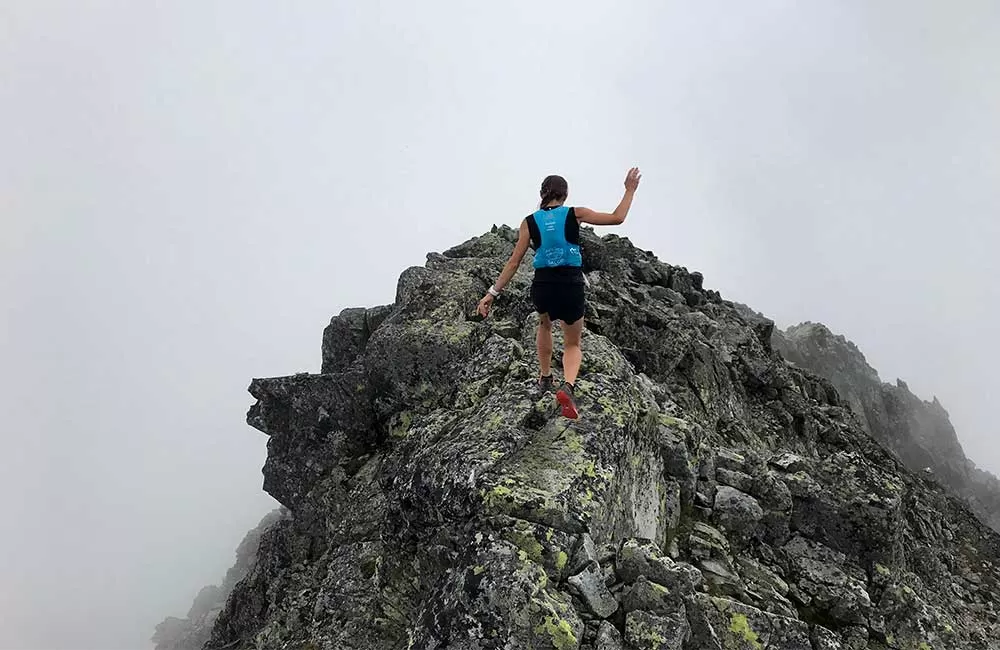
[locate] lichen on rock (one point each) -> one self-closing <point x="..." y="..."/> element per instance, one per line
<point x="712" y="495"/>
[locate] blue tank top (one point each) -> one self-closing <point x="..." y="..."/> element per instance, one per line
<point x="554" y="248"/>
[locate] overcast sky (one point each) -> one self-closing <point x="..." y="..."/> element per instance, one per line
<point x="189" y="190"/>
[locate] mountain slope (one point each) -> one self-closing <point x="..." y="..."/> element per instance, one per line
<point x="919" y="432"/>
<point x="711" y="495"/>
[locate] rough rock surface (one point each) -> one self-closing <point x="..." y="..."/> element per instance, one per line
<point x="919" y="432"/>
<point x="194" y="630"/>
<point x="728" y="500"/>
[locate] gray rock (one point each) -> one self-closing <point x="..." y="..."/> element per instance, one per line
<point x="637" y="559"/>
<point x="722" y="623"/>
<point x="735" y="479"/>
<point x="436" y="500"/>
<point x="584" y="554"/>
<point x="919" y="432"/>
<point x="824" y="639"/>
<point x="822" y="581"/>
<point x="608" y="638"/>
<point x="645" y="631"/>
<point x="790" y="463"/>
<point x="721" y="578"/>
<point x="590" y="585"/>
<point x="737" y="512"/>
<point x="651" y="597"/>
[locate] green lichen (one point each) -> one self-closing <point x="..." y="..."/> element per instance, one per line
<point x="643" y="633"/>
<point x="882" y="570"/>
<point x="401" y="428"/>
<point x="890" y="639"/>
<point x="496" y="495"/>
<point x="559" y="631"/>
<point x="924" y="646"/>
<point x="669" y="421"/>
<point x="561" y="560"/>
<point x="739" y="625"/>
<point x="588" y="470"/>
<point x="609" y="406"/>
<point x="528" y="544"/>
<point x="478" y="569"/>
<point x="501" y="491"/>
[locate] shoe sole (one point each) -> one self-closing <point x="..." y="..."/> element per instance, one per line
<point x="568" y="407"/>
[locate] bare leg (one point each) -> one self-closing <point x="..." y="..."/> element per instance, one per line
<point x="572" y="353"/>
<point x="545" y="345"/>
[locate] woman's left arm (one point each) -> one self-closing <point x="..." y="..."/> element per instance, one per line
<point x="523" y="239"/>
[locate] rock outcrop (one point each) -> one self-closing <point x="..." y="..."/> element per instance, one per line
<point x="919" y="432"/>
<point x="711" y="496"/>
<point x="193" y="631"/>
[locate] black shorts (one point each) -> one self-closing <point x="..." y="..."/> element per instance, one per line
<point x="560" y="300"/>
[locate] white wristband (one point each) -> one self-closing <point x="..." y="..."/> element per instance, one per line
<point x="493" y="292"/>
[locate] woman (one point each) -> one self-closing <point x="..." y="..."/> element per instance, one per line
<point x="558" y="288"/>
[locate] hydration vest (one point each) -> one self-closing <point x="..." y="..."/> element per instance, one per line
<point x="556" y="241"/>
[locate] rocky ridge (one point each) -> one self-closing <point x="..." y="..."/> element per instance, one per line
<point x="711" y="495"/>
<point x="919" y="432"/>
<point x="194" y="630"/>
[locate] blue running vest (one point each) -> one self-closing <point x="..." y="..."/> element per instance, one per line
<point x="554" y="250"/>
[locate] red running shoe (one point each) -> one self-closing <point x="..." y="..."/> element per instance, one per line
<point x="566" y="401"/>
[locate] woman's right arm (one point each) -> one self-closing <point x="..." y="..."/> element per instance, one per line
<point x="586" y="215"/>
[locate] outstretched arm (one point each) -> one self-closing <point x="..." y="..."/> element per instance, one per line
<point x="523" y="239"/>
<point x="586" y="215"/>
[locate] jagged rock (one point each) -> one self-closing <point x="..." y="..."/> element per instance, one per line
<point x="345" y="337"/>
<point x="437" y="501"/>
<point x="650" y="597"/>
<point x="737" y="512"/>
<point x="826" y="584"/>
<point x="590" y="585"/>
<point x="721" y="578"/>
<point x="645" y="631"/>
<point x="734" y="479"/>
<point x="608" y="638"/>
<point x="824" y="639"/>
<point x="772" y="492"/>
<point x="637" y="559"/>
<point x="707" y="542"/>
<point x="585" y="554"/>
<point x="919" y="432"/>
<point x="790" y="463"/>
<point x="720" y="623"/>
<point x="193" y="631"/>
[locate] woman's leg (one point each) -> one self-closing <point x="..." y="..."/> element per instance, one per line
<point x="572" y="353"/>
<point x="544" y="340"/>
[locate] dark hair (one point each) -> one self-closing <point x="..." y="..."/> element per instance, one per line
<point x="554" y="188"/>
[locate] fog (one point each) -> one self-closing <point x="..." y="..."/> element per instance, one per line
<point x="189" y="190"/>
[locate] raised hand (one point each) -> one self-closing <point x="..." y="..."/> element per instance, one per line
<point x="632" y="179"/>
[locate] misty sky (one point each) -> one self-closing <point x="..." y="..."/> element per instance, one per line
<point x="189" y="190"/>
